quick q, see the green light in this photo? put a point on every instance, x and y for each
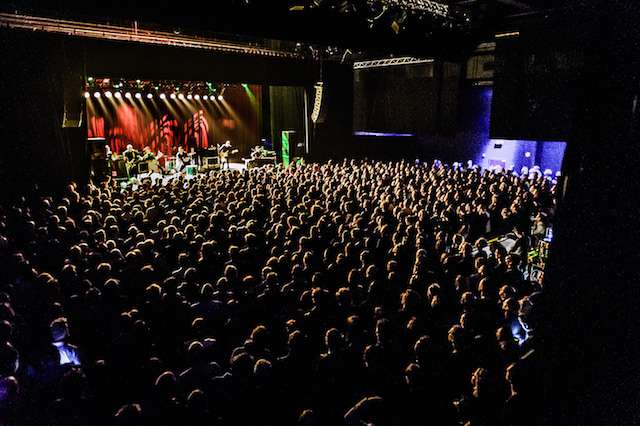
(252, 97)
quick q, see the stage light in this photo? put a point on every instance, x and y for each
(163, 96)
(90, 79)
(118, 95)
(108, 94)
(138, 96)
(127, 95)
(149, 96)
(97, 94)
(87, 95)
(173, 96)
(205, 97)
(181, 97)
(196, 97)
(189, 96)
(220, 98)
(527, 154)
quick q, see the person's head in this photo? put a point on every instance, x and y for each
(410, 301)
(333, 340)
(260, 336)
(129, 147)
(515, 376)
(262, 370)
(166, 385)
(480, 382)
(383, 330)
(308, 418)
(456, 337)
(413, 375)
(129, 415)
(59, 329)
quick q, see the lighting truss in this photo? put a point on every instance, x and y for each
(154, 87)
(421, 6)
(378, 63)
(134, 34)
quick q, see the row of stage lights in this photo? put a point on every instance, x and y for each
(138, 95)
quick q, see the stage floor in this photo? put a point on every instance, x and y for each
(168, 178)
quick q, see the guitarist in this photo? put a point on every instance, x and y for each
(131, 157)
(224, 151)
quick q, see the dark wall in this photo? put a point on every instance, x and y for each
(535, 86)
(421, 99)
(590, 324)
(471, 133)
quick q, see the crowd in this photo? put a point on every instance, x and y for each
(325, 294)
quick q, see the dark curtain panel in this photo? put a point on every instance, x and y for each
(35, 147)
(287, 113)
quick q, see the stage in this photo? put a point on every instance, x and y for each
(165, 179)
(135, 127)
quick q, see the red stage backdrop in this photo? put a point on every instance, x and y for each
(163, 125)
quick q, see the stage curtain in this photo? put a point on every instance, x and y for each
(287, 113)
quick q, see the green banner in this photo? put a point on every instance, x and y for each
(285, 148)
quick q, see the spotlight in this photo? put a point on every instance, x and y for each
(138, 96)
(87, 95)
(527, 154)
(220, 98)
(108, 94)
(173, 96)
(163, 96)
(90, 79)
(181, 96)
(127, 95)
(97, 94)
(196, 97)
(118, 95)
(205, 97)
(189, 96)
(149, 96)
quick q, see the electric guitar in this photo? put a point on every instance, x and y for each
(224, 152)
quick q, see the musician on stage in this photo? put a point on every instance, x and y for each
(152, 159)
(223, 153)
(182, 160)
(147, 155)
(131, 157)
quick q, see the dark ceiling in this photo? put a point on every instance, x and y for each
(347, 24)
